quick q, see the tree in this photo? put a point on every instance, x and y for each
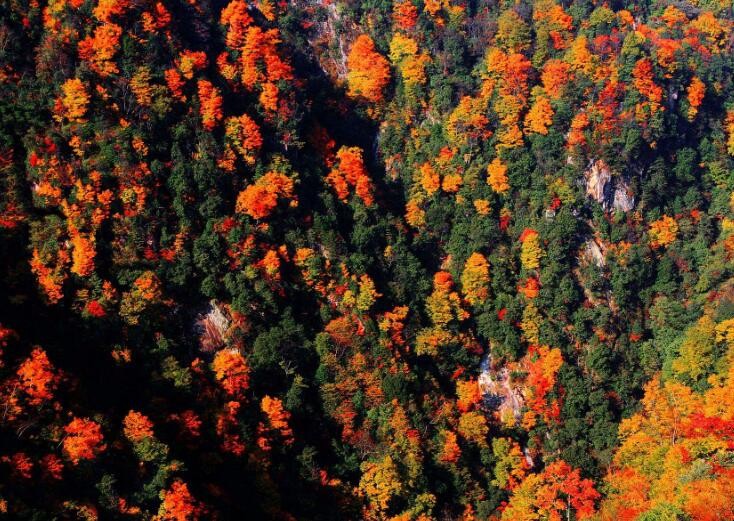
(511, 466)
(74, 101)
(555, 77)
(277, 417)
(107, 9)
(259, 199)
(405, 15)
(444, 305)
(473, 427)
(137, 426)
(497, 176)
(368, 72)
(556, 491)
(643, 80)
(100, 49)
(82, 255)
(475, 279)
(468, 393)
(244, 135)
(83, 440)
(695, 93)
(37, 377)
(231, 371)
(696, 350)
(540, 116)
(430, 180)
(450, 450)
(210, 101)
(380, 482)
(350, 172)
(663, 231)
(177, 504)
(530, 250)
(542, 364)
(236, 18)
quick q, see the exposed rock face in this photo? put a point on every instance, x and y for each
(595, 252)
(623, 201)
(497, 391)
(330, 38)
(610, 191)
(597, 177)
(212, 328)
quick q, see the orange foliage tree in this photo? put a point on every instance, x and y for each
(259, 199)
(137, 426)
(210, 101)
(663, 231)
(497, 176)
(82, 254)
(450, 450)
(643, 81)
(468, 393)
(37, 378)
(553, 494)
(429, 178)
(244, 135)
(231, 371)
(539, 117)
(405, 15)
(542, 364)
(83, 440)
(100, 49)
(178, 504)
(695, 93)
(368, 71)
(277, 417)
(554, 77)
(350, 172)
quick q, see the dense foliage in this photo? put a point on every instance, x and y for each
(410, 260)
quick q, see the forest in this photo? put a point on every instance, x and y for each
(403, 260)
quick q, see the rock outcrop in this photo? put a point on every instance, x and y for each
(597, 178)
(623, 200)
(212, 328)
(498, 394)
(609, 190)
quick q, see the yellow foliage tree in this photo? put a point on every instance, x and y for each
(530, 250)
(475, 279)
(367, 293)
(380, 482)
(74, 100)
(511, 466)
(473, 427)
(663, 231)
(530, 323)
(444, 304)
(695, 352)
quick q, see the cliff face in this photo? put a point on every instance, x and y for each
(607, 188)
(498, 393)
(212, 328)
(330, 36)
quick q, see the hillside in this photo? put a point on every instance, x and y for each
(406, 260)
